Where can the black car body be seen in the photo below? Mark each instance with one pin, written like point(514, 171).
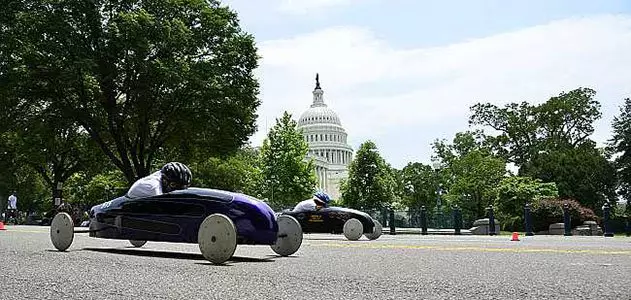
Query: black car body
point(330, 219)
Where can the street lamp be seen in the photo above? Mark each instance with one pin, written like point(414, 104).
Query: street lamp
point(436, 166)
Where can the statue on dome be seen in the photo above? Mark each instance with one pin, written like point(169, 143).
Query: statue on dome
point(317, 81)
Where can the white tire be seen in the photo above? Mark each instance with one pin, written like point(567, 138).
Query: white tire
point(353, 229)
point(62, 231)
point(289, 236)
point(137, 243)
point(376, 231)
point(217, 238)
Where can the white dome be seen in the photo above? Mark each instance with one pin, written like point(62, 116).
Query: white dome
point(319, 115)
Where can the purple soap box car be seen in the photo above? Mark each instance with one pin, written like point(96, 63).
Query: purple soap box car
point(216, 220)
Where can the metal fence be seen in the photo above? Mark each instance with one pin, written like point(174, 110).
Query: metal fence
point(452, 217)
point(412, 218)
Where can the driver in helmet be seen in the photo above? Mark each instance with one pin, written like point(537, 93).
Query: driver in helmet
point(318, 201)
point(172, 176)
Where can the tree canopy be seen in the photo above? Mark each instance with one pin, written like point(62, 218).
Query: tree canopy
point(287, 177)
point(551, 141)
point(137, 76)
point(620, 145)
point(370, 183)
point(471, 170)
point(564, 121)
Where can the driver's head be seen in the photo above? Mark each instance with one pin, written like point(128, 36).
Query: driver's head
point(321, 199)
point(175, 176)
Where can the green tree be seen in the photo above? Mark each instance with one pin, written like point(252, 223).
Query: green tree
point(240, 172)
point(564, 121)
point(17, 176)
point(55, 148)
point(419, 185)
point(85, 190)
point(287, 176)
point(582, 173)
point(567, 120)
point(512, 195)
point(472, 172)
point(551, 142)
point(620, 144)
point(139, 77)
point(517, 127)
point(370, 183)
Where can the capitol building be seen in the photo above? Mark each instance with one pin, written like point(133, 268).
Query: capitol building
point(323, 131)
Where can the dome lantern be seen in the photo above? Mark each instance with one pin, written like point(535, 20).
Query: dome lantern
point(319, 113)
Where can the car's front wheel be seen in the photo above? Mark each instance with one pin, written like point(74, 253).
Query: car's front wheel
point(62, 231)
point(353, 229)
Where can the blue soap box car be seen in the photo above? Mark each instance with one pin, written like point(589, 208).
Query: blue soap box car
point(216, 220)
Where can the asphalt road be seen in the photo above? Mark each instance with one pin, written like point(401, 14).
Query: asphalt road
point(325, 267)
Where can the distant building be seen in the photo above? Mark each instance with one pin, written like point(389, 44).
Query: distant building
point(323, 131)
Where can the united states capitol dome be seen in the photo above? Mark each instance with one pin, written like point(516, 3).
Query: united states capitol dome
point(327, 140)
point(319, 115)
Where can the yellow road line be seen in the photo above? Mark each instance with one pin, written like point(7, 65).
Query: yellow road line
point(481, 249)
point(28, 231)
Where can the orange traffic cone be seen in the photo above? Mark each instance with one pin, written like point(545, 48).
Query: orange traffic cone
point(2, 226)
point(515, 237)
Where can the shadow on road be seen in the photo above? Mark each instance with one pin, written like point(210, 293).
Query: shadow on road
point(176, 255)
point(321, 239)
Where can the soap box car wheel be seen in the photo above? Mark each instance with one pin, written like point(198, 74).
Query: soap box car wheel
point(217, 238)
point(137, 243)
point(62, 231)
point(376, 233)
point(289, 236)
point(353, 229)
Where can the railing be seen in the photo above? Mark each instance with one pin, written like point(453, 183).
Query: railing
point(413, 218)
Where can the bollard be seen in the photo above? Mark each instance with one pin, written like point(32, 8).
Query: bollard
point(567, 225)
point(384, 216)
point(392, 229)
point(627, 226)
point(491, 220)
point(457, 220)
point(423, 220)
point(527, 220)
point(606, 215)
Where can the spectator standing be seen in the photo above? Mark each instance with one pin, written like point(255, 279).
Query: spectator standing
point(12, 208)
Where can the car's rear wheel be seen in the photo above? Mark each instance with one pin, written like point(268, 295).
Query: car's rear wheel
point(376, 231)
point(217, 238)
point(289, 236)
point(137, 243)
point(353, 229)
point(62, 231)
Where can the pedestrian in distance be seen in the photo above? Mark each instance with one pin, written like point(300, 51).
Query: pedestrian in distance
point(12, 208)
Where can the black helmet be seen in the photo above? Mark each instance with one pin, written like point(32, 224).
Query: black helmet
point(177, 175)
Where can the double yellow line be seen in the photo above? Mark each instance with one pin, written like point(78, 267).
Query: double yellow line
point(479, 249)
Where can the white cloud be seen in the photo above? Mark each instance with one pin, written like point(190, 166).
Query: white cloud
point(307, 6)
point(403, 99)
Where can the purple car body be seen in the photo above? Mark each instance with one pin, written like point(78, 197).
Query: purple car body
point(177, 216)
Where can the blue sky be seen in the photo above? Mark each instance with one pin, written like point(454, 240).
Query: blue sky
point(403, 73)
